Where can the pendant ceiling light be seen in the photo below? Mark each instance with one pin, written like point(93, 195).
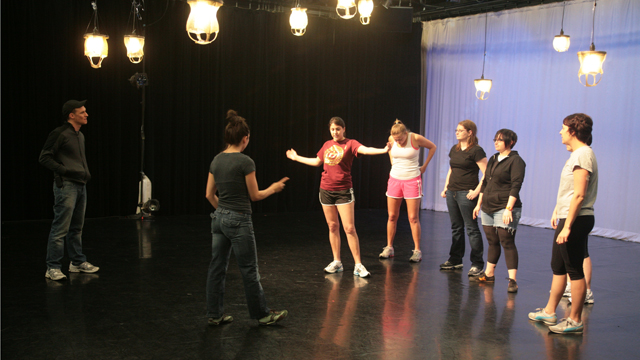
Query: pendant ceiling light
point(591, 61)
point(483, 86)
point(345, 8)
point(561, 42)
point(365, 8)
point(298, 20)
point(133, 42)
point(96, 47)
point(202, 24)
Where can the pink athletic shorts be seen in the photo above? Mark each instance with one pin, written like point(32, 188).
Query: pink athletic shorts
point(405, 189)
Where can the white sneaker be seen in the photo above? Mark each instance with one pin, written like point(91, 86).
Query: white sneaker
point(567, 291)
point(84, 267)
point(55, 274)
point(334, 267)
point(361, 271)
point(588, 298)
point(416, 257)
point(387, 252)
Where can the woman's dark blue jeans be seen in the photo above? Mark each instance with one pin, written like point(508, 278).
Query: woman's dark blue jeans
point(232, 230)
point(461, 215)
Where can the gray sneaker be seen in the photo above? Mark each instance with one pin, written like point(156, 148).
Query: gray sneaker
point(84, 267)
point(55, 274)
point(222, 320)
point(474, 271)
point(273, 317)
point(334, 267)
point(416, 257)
point(542, 316)
point(387, 252)
point(448, 265)
point(567, 326)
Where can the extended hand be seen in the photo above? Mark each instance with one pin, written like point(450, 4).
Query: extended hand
point(292, 154)
point(279, 186)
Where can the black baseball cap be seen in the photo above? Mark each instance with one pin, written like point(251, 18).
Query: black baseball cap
point(70, 105)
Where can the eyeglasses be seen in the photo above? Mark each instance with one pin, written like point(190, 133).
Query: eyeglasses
point(494, 140)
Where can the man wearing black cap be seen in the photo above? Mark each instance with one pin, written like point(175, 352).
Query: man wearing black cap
point(64, 154)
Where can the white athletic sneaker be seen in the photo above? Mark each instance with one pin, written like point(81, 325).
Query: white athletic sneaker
point(55, 274)
point(416, 257)
point(588, 299)
point(567, 290)
point(387, 252)
point(361, 271)
point(84, 267)
point(334, 267)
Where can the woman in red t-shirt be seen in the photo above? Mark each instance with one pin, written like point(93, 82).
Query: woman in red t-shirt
point(336, 190)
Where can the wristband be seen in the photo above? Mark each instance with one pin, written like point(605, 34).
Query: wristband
point(509, 208)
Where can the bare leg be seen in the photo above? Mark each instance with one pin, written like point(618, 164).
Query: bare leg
point(413, 209)
point(393, 206)
point(586, 266)
point(331, 215)
point(348, 223)
point(512, 273)
point(557, 289)
point(578, 293)
point(490, 270)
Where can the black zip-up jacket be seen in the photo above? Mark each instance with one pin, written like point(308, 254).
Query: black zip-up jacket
point(502, 179)
point(64, 154)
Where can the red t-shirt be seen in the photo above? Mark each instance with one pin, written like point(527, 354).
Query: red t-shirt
point(338, 158)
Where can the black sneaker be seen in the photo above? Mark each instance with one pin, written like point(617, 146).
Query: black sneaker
point(513, 286)
point(483, 278)
point(448, 265)
point(475, 271)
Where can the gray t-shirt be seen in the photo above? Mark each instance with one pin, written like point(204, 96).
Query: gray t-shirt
point(229, 171)
point(584, 158)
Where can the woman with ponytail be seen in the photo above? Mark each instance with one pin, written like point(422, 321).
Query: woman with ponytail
point(336, 190)
point(405, 182)
point(233, 176)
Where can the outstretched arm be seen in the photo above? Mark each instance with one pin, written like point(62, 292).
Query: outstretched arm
point(364, 150)
point(256, 194)
point(293, 155)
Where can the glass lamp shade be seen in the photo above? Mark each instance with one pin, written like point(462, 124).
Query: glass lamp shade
point(483, 86)
point(135, 47)
point(345, 8)
point(591, 64)
point(96, 47)
point(202, 24)
point(298, 21)
point(561, 42)
point(365, 7)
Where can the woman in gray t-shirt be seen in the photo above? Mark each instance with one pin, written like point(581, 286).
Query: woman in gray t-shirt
point(573, 220)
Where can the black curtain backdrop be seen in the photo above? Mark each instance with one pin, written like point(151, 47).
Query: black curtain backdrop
point(287, 88)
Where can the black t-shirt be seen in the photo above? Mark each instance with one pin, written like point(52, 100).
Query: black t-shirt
point(229, 171)
point(464, 168)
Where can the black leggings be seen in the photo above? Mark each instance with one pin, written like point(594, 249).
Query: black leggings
point(498, 239)
point(567, 258)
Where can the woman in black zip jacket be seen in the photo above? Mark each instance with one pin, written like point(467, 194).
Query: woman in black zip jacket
point(500, 207)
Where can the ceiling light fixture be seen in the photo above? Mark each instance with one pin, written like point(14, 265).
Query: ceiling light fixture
point(345, 7)
point(298, 20)
point(202, 22)
point(133, 42)
point(483, 85)
point(95, 44)
point(561, 42)
point(365, 7)
point(591, 61)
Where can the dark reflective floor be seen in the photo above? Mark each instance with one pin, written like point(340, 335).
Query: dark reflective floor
point(148, 299)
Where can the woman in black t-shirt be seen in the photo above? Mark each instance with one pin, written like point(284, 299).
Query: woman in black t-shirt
point(461, 190)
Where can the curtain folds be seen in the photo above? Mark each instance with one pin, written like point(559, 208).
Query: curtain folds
point(534, 88)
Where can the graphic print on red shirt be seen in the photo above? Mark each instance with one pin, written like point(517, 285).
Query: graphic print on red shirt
point(338, 158)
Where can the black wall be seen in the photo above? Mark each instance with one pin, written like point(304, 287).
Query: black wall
point(287, 88)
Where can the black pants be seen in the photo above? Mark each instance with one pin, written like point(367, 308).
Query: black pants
point(567, 258)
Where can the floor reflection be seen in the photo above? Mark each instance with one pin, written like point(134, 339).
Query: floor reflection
point(146, 232)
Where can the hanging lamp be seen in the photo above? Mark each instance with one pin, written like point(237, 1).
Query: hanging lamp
point(345, 8)
point(134, 42)
point(96, 47)
point(483, 86)
point(591, 61)
point(365, 8)
point(202, 24)
point(298, 20)
point(561, 42)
